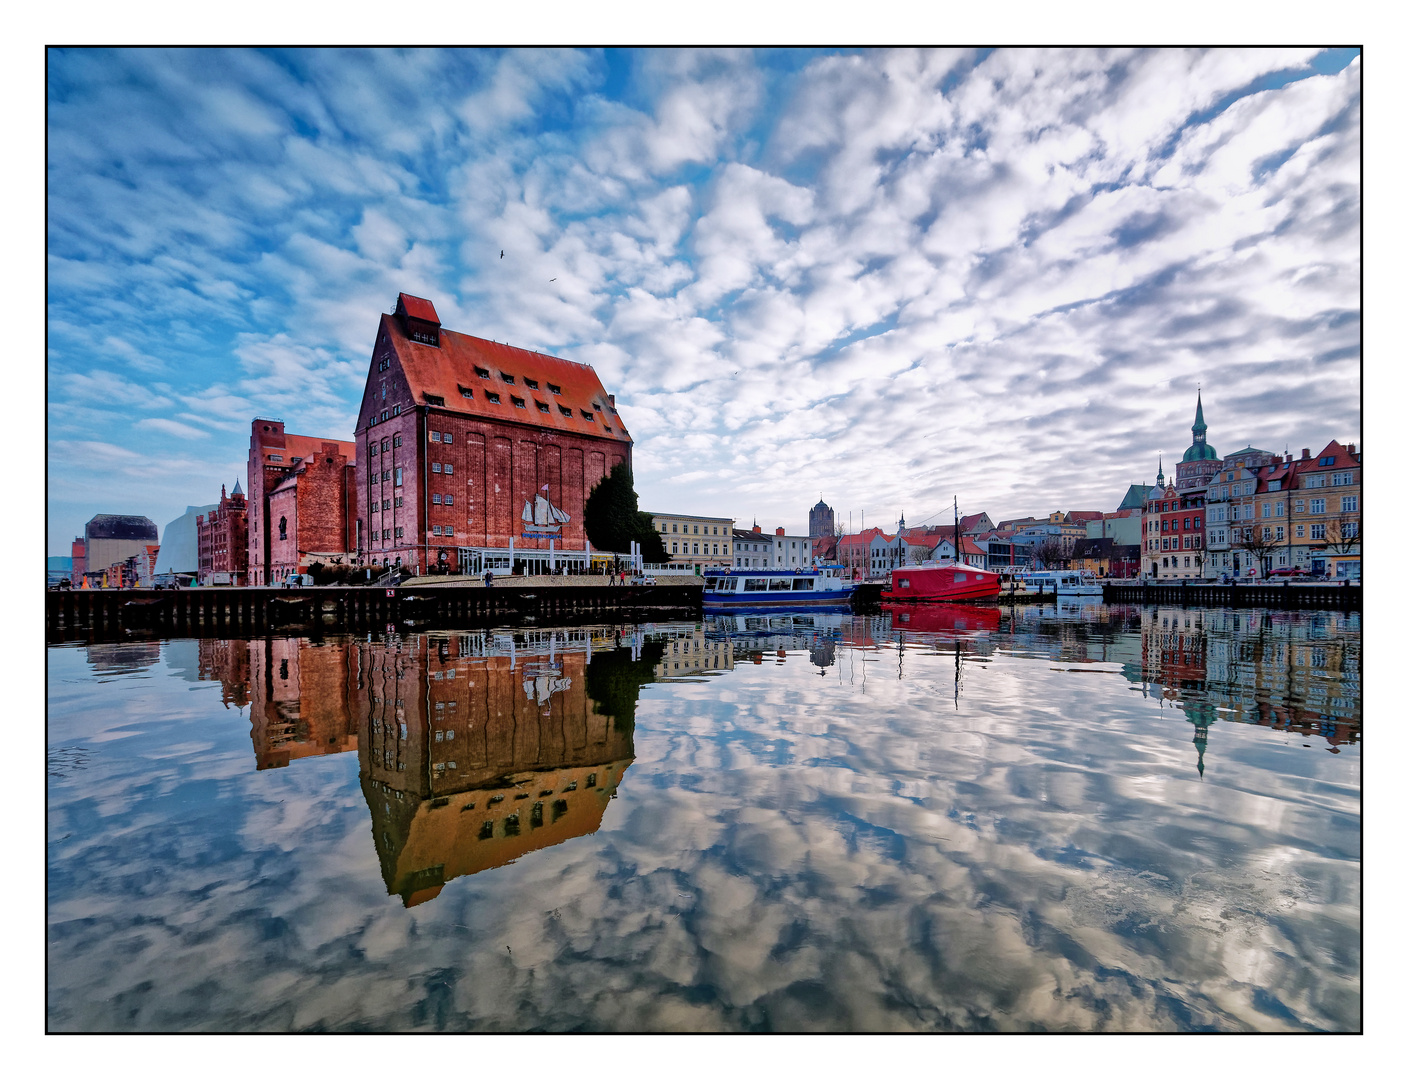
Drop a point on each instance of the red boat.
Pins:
(944, 581)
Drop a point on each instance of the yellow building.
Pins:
(694, 540)
(1326, 508)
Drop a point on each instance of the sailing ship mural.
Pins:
(542, 519)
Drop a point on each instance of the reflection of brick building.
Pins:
(470, 761)
(222, 541)
(226, 662)
(466, 446)
(301, 501)
(299, 699)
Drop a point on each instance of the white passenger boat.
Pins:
(746, 588)
(1059, 582)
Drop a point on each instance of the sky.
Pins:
(889, 278)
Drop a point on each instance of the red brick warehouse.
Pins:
(301, 501)
(470, 452)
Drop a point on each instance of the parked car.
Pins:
(1289, 572)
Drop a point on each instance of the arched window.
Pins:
(283, 528)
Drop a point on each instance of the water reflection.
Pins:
(1062, 817)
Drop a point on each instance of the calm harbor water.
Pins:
(1076, 818)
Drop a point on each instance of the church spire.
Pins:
(1159, 480)
(1200, 429)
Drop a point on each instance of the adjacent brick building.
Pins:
(471, 454)
(222, 541)
(301, 504)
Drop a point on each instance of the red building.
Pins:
(80, 560)
(301, 505)
(222, 541)
(1174, 531)
(471, 454)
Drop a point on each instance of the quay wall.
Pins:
(1272, 594)
(84, 613)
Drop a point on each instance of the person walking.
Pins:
(488, 579)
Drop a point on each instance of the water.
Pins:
(1078, 818)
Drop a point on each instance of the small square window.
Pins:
(447, 437)
(435, 499)
(518, 402)
(449, 468)
(435, 466)
(493, 398)
(372, 450)
(394, 442)
(435, 436)
(449, 500)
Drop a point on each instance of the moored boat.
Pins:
(942, 581)
(800, 587)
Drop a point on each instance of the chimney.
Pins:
(781, 531)
(1350, 449)
(1305, 453)
(1276, 460)
(611, 398)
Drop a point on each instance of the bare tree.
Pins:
(1049, 552)
(1342, 534)
(1259, 546)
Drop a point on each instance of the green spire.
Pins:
(1199, 428)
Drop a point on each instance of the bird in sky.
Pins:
(501, 254)
(552, 279)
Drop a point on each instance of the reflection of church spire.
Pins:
(1200, 740)
(1197, 714)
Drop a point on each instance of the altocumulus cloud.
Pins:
(893, 276)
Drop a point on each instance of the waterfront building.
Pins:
(301, 501)
(751, 548)
(694, 539)
(78, 556)
(791, 551)
(179, 551)
(473, 454)
(1123, 526)
(821, 521)
(117, 549)
(975, 524)
(222, 541)
(825, 550)
(1325, 508)
(970, 551)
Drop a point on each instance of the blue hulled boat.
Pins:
(815, 586)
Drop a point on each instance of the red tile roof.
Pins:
(1084, 515)
(418, 308)
(442, 372)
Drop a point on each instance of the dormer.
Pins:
(418, 319)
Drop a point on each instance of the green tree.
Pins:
(613, 519)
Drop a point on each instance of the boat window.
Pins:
(780, 585)
(755, 585)
(960, 577)
(903, 583)
(711, 583)
(802, 583)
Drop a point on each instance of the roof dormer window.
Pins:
(466, 392)
(532, 384)
(518, 402)
(554, 389)
(542, 406)
(506, 377)
(493, 398)
(482, 372)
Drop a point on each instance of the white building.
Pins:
(758, 549)
(696, 540)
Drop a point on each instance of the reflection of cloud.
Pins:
(788, 853)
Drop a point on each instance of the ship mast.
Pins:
(956, 551)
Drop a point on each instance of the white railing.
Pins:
(668, 570)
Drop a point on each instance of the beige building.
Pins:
(694, 540)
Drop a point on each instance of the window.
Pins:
(554, 389)
(435, 436)
(588, 416)
(400, 532)
(493, 398)
(400, 500)
(434, 399)
(436, 531)
(395, 441)
(1349, 530)
(1317, 532)
(518, 402)
(1317, 506)
(1327, 460)
(564, 410)
(542, 405)
(1300, 506)
(1185, 523)
(1313, 482)
(506, 377)
(1281, 508)
(383, 364)
(696, 549)
(1300, 530)
(1349, 503)
(674, 528)
(386, 476)
(696, 530)
(435, 499)
(466, 392)
(283, 528)
(1280, 532)
(435, 466)
(1342, 479)
(1197, 523)
(1266, 532)
(1165, 546)
(386, 504)
(449, 469)
(449, 500)
(398, 484)
(276, 457)
(606, 429)
(483, 373)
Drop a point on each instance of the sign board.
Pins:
(390, 592)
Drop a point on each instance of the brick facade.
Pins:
(458, 437)
(222, 540)
(306, 483)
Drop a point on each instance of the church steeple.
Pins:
(1159, 480)
(1200, 429)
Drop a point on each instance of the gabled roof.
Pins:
(418, 308)
(969, 522)
(1085, 515)
(1343, 459)
(444, 372)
